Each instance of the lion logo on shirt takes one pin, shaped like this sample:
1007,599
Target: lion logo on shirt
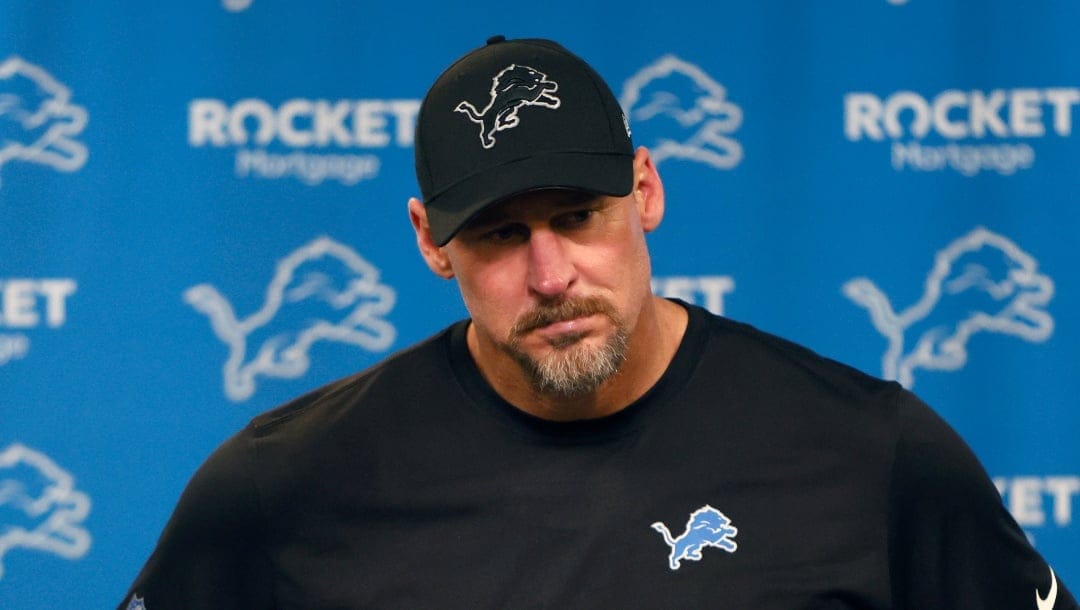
706,527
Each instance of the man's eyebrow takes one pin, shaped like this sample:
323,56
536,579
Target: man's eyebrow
487,217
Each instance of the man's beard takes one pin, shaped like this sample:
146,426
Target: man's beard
572,368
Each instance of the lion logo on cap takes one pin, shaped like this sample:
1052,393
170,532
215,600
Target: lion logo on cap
512,88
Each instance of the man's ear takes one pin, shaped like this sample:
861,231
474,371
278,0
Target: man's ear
648,190
434,256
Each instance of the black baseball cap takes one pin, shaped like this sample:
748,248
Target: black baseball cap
515,116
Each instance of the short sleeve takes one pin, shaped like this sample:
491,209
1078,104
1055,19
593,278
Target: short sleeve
952,543
210,553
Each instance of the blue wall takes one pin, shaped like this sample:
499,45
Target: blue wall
892,183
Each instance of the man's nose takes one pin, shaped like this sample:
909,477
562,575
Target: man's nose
551,272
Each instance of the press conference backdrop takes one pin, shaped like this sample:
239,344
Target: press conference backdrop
202,214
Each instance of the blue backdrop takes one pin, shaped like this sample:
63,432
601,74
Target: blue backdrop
183,187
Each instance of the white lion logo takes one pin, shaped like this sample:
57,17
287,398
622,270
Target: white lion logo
37,118
40,509
513,88
323,291
981,282
700,117
236,6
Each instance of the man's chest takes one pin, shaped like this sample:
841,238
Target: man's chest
597,530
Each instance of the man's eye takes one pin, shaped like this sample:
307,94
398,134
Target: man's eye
503,234
576,218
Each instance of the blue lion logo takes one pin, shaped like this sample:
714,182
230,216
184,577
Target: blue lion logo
706,527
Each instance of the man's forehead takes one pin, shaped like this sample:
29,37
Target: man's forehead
538,199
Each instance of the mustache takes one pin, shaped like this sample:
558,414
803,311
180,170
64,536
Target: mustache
563,310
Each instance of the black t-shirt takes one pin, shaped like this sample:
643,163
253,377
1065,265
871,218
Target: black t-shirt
755,474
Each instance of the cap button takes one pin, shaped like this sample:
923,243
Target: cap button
496,39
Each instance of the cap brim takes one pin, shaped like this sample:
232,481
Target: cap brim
606,174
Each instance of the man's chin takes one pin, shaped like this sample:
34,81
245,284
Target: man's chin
577,368
567,341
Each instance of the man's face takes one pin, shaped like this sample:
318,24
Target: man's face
554,281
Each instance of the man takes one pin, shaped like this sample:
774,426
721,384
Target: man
579,442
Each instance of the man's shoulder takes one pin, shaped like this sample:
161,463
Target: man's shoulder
763,357
395,375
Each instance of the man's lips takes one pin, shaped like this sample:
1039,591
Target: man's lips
560,329
561,321
564,326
